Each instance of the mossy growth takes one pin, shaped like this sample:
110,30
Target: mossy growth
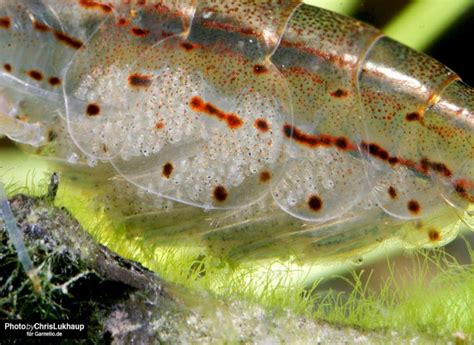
120,301
70,286
435,297
432,299
430,306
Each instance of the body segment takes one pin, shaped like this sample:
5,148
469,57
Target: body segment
298,131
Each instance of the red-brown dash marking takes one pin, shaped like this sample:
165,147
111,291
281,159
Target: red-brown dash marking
41,26
312,141
393,160
261,125
72,42
139,80
94,5
377,151
122,22
461,186
439,168
294,133
231,28
5,22
198,105
373,149
338,60
340,93
36,75
220,193
424,166
341,143
93,110
139,32
188,46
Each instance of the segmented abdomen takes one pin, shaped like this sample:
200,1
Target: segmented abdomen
221,104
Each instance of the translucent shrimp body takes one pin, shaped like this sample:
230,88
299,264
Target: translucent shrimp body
273,128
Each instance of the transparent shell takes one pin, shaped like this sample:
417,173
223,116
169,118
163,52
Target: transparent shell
271,126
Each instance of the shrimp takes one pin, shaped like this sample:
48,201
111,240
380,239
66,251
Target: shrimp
255,128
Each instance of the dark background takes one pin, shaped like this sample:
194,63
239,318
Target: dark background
454,48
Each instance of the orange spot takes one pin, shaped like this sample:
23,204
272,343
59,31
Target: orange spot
262,125
220,193
93,110
434,235
36,75
139,80
233,121
392,192
167,170
54,81
5,22
414,206
265,176
160,125
315,203
198,105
